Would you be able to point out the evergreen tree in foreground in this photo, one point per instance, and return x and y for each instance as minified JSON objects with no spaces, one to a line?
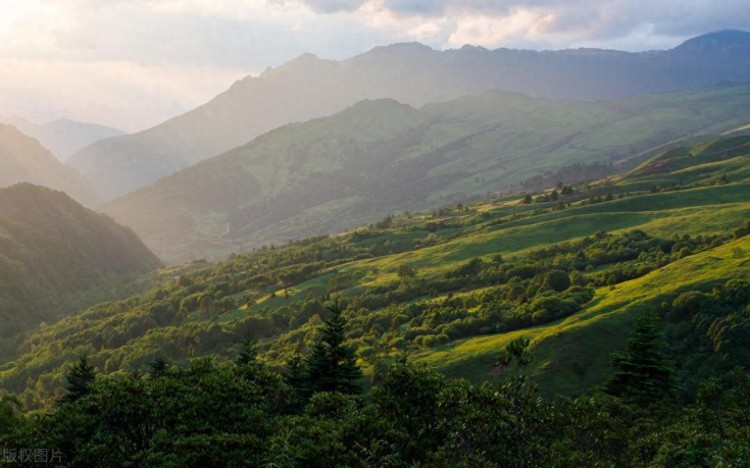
{"x":331,"y":366}
{"x":80,"y":379}
{"x":643,"y":374}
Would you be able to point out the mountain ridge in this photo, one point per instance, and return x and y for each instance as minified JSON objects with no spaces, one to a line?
{"x":380,"y":157}
{"x":63,"y":137}
{"x":24,"y":159}
{"x":309,"y":87}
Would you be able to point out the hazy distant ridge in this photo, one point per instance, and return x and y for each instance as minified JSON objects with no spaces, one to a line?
{"x":309,"y":87}
{"x":23,"y":159}
{"x":62,"y":137}
{"x":378,"y":157}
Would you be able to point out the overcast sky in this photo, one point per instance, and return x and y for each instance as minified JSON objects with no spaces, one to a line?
{"x":133,"y":63}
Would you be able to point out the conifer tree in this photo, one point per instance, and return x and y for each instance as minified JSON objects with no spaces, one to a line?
{"x":80,"y":379}
{"x":249,"y":366}
{"x":331,"y":366}
{"x":296,"y":378}
{"x":643,"y":374}
{"x":158,"y":367}
{"x":248,"y":354}
{"x":295,"y":371}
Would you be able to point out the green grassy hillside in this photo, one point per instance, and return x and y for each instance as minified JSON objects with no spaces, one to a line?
{"x":450,"y":287}
{"x":57,"y":256}
{"x":380,"y":157}
{"x":573,"y":353}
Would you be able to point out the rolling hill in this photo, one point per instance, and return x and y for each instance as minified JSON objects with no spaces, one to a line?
{"x":23,"y":159}
{"x":57,"y":256}
{"x":62,"y":137}
{"x":380,"y":157}
{"x":309,"y":87}
{"x":454,"y":286}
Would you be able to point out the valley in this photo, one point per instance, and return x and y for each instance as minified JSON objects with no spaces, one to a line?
{"x":408,"y":255}
{"x":680,"y":218}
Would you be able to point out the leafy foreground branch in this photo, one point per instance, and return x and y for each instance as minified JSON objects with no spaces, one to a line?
{"x":243,"y":413}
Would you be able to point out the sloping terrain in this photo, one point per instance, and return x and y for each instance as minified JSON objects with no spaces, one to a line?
{"x":451,"y":287}
{"x":573,"y":353}
{"x":23,"y":159}
{"x":55,"y":254}
{"x":309,"y":87}
{"x":62,"y":137}
{"x":381,"y":157}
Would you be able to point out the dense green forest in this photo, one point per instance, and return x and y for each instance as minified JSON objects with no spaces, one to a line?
{"x":599,"y":324}
{"x":57,"y":257}
{"x":312,"y":413}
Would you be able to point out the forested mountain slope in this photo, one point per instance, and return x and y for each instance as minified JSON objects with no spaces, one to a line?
{"x":566,"y":267}
{"x":381,"y":157}
{"x":57,"y":256}
{"x":309,"y":87}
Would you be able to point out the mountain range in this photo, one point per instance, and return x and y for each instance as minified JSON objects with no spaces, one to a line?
{"x":62,"y":137}
{"x":452,"y":287}
{"x":413,"y":74}
{"x":23,"y":159}
{"x":380,"y":157}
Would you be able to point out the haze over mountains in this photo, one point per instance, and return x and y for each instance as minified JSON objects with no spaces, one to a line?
{"x":62,"y":137}
{"x":380,"y":157}
{"x":413,"y":74}
{"x":407,"y":258}
{"x":23,"y":159}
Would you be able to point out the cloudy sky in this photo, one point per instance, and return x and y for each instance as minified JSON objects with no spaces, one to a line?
{"x":134,"y":63}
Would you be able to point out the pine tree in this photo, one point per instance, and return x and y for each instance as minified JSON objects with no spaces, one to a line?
{"x":248,"y":354}
{"x":331,"y":366}
{"x":643,"y":374}
{"x":249,"y":366}
{"x":80,"y":379}
{"x":158,"y":367}
{"x":295,"y":371}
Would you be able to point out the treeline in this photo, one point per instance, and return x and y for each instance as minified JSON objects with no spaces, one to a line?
{"x":568,"y":174}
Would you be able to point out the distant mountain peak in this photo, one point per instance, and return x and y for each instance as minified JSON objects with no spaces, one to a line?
{"x":717,"y":41}
{"x":309,"y":87}
{"x":415,"y":47}
{"x":382,"y":103}
{"x":306,"y":57}
{"x":472,"y":47}
{"x":303,"y":62}
{"x":62,"y":137}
